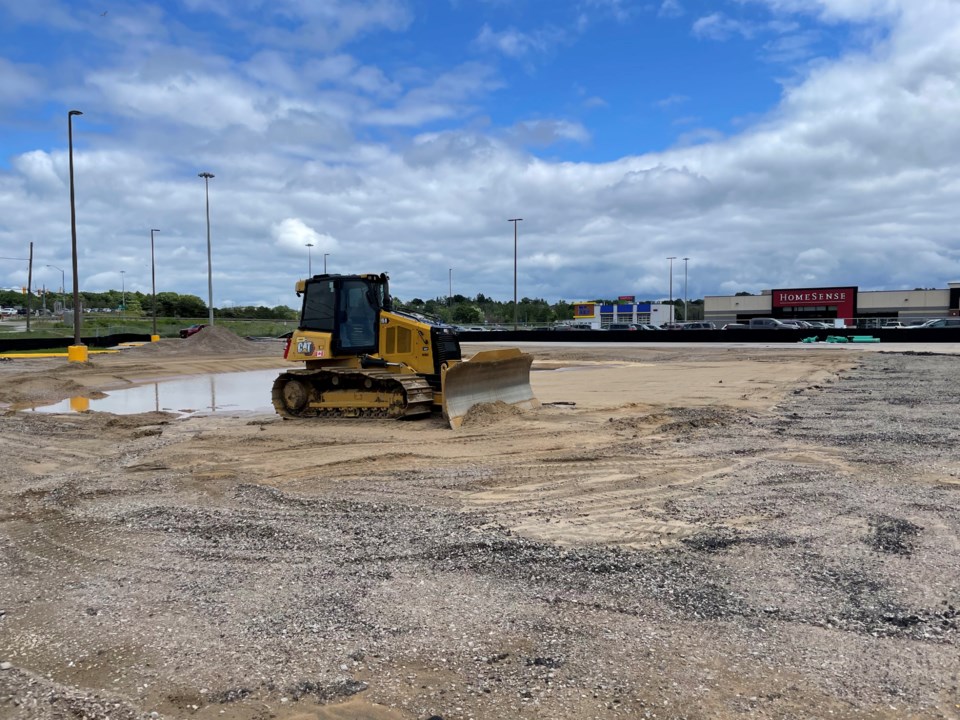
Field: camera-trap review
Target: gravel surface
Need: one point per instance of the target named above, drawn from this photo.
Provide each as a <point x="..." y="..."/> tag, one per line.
<point x="819" y="576"/>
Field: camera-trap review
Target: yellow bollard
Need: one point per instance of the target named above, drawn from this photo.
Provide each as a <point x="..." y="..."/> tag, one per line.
<point x="79" y="404"/>
<point x="154" y="338"/>
<point x="76" y="353"/>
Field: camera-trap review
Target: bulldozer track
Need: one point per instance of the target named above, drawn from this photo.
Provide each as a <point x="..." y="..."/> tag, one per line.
<point x="341" y="393"/>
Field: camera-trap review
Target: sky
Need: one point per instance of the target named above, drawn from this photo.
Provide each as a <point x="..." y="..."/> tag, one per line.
<point x="762" y="143"/>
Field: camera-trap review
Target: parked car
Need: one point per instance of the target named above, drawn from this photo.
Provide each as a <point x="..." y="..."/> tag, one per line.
<point x="797" y="324"/>
<point x="735" y="326"/>
<point x="698" y="326"/>
<point x="951" y="322"/>
<point x="648" y="326"/>
<point x="192" y="330"/>
<point x="671" y="326"/>
<point x="892" y="325"/>
<point x="768" y="324"/>
<point x="573" y="326"/>
<point x="622" y="326"/>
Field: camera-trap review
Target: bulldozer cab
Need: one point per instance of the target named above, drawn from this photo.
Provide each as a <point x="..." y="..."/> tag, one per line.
<point x="347" y="307"/>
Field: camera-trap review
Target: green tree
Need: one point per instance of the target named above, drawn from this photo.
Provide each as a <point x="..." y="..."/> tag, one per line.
<point x="467" y="314"/>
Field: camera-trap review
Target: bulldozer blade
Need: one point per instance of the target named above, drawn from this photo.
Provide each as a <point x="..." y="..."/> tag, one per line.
<point x="489" y="376"/>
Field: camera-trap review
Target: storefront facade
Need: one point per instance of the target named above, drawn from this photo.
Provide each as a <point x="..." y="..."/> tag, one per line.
<point x="600" y="316"/>
<point x="845" y="303"/>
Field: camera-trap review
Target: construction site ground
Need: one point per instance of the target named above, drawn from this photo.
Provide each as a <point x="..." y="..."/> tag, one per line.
<point x="677" y="532"/>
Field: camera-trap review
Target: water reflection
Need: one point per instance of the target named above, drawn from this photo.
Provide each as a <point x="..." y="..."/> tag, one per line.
<point x="196" y="395"/>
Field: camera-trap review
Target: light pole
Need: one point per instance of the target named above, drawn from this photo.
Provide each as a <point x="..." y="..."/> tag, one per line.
<point x="515" y="221"/>
<point x="63" y="281"/>
<point x="153" y="284"/>
<point x="123" y="291"/>
<point x="450" y="289"/>
<point x="325" y="263"/>
<point x="673" y="315"/>
<point x="78" y="353"/>
<point x="206" y="181"/>
<point x="309" y="260"/>
<point x="685" y="296"/>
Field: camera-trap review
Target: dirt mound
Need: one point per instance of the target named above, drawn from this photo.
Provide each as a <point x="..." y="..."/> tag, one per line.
<point x="215" y="340"/>
<point x="489" y="413"/>
<point x="36" y="390"/>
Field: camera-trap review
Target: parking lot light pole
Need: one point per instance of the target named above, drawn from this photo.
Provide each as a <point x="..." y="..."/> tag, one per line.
<point x="153" y="282"/>
<point x="206" y="181"/>
<point x="325" y="263"/>
<point x="78" y="351"/>
<point x="673" y="314"/>
<point x="63" y="282"/>
<point x="515" y="221"/>
<point x="309" y="260"/>
<point x="685" y="295"/>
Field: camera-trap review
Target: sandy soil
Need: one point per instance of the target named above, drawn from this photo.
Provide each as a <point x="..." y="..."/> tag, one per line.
<point x="675" y="533"/>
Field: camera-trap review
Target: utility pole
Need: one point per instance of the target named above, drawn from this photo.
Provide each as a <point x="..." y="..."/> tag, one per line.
<point x="673" y="315"/>
<point x="29" y="283"/>
<point x="80" y="353"/>
<point x="153" y="284"/>
<point x="206" y="181"/>
<point x="515" y="221"/>
<point x="685" y="294"/>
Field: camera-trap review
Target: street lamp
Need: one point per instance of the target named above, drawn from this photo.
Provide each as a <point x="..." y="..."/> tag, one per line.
<point x="673" y="315"/>
<point x="123" y="291"/>
<point x="77" y="353"/>
<point x="450" y="289"/>
<point x="325" y="263"/>
<point x="153" y="281"/>
<point x="309" y="260"/>
<point x="206" y="181"/>
<point x="63" y="281"/>
<point x="685" y="295"/>
<point x="515" y="221"/>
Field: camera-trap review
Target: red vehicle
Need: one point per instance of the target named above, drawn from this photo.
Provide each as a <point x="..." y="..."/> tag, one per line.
<point x="192" y="330"/>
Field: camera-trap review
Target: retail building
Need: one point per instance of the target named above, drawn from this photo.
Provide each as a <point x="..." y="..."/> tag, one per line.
<point x="856" y="308"/>
<point x="625" y="310"/>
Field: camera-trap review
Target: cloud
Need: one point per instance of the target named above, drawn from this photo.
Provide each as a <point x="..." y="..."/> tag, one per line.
<point x="791" y="48"/>
<point x="19" y="83"/>
<point x="671" y="9"/>
<point x="837" y="10"/>
<point x="718" y="26"/>
<point x="548" y="132"/>
<point x="447" y="96"/>
<point x="671" y="101"/>
<point x="293" y="234"/>
<point x="519" y="45"/>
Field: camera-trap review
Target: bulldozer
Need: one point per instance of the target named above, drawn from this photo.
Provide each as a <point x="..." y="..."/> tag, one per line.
<point x="363" y="358"/>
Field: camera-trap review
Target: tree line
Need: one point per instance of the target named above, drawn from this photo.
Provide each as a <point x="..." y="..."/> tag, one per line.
<point x="455" y="310"/>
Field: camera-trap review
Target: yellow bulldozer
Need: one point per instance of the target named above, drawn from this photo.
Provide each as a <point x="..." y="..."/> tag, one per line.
<point x="364" y="359"/>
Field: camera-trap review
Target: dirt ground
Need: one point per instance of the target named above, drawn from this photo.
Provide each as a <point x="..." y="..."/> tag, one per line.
<point x="677" y="532"/>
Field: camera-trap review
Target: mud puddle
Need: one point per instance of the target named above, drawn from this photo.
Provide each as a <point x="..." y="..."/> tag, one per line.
<point x="196" y="395"/>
